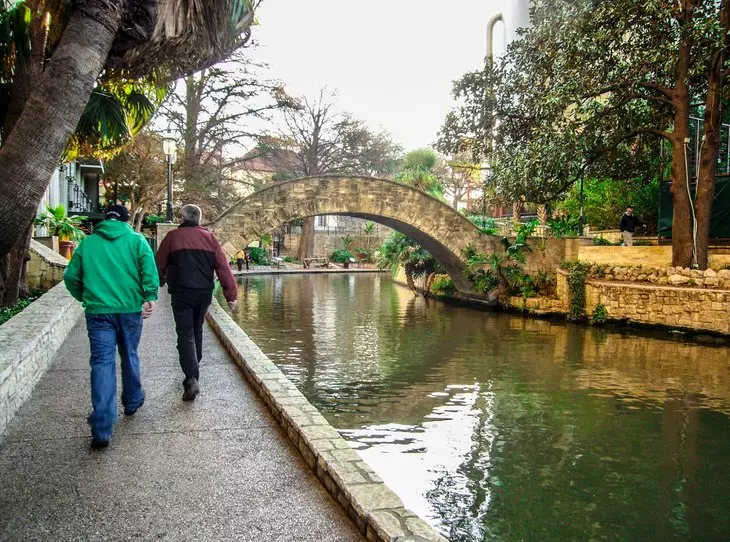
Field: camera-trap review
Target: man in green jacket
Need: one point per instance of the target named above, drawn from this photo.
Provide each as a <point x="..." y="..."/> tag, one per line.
<point x="113" y="274"/>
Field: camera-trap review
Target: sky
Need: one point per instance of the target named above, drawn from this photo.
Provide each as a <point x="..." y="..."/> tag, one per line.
<point x="392" y="62"/>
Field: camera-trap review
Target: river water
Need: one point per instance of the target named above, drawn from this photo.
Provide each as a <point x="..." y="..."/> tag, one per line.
<point x="497" y="427"/>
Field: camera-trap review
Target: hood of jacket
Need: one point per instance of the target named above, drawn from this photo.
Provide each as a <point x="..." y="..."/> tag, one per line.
<point x="113" y="229"/>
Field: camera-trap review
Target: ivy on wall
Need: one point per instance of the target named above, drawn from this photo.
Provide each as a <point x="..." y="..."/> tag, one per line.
<point x="577" y="274"/>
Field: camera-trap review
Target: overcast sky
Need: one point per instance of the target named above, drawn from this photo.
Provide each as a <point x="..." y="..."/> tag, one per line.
<point x="391" y="61"/>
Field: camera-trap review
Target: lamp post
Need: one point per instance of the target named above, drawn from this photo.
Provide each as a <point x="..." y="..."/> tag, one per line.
<point x="170" y="150"/>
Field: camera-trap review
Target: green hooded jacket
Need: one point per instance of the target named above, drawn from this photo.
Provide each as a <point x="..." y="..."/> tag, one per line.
<point x="113" y="270"/>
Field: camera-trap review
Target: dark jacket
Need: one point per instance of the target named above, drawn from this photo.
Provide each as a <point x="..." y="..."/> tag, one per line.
<point x="187" y="258"/>
<point x="629" y="223"/>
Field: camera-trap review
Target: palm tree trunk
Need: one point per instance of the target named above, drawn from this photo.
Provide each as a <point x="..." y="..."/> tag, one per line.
<point x="33" y="149"/>
<point x="13" y="281"/>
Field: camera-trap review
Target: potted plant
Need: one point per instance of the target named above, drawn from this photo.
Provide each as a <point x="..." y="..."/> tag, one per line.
<point x="66" y="228"/>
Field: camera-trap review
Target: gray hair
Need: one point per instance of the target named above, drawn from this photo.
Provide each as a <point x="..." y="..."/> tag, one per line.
<point x="191" y="213"/>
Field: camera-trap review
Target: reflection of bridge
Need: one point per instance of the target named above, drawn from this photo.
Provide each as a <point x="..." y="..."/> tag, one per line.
<point x="433" y="224"/>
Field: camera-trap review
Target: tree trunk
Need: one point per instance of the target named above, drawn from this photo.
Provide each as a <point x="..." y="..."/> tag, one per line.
<point x="682" y="219"/>
<point x="543" y="213"/>
<point x="710" y="144"/>
<point x="306" y="240"/>
<point x="32" y="151"/>
<point x="12" y="271"/>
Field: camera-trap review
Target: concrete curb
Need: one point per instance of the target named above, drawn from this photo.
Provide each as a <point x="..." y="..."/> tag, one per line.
<point x="373" y="507"/>
<point x="28" y="344"/>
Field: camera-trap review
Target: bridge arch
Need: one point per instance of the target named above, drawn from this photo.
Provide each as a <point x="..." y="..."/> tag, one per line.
<point x="434" y="225"/>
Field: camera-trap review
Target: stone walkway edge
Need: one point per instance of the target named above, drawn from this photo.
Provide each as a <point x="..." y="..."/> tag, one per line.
<point x="374" y="508"/>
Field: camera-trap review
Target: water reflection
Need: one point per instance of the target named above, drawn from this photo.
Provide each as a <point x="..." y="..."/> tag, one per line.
<point x="496" y="427"/>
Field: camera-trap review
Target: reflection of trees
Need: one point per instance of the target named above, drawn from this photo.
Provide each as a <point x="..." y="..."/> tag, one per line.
<point x="585" y="433"/>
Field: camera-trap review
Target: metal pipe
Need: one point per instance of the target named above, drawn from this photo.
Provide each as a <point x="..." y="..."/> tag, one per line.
<point x="490" y="38"/>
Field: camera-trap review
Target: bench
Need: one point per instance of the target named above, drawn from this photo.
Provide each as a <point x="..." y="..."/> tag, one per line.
<point x="277" y="261"/>
<point x="313" y="262"/>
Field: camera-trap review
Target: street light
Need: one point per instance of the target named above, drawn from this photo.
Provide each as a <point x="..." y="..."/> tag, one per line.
<point x="169" y="147"/>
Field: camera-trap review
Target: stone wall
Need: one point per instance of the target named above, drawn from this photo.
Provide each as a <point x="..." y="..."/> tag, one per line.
<point x="690" y="308"/>
<point x="28" y="343"/>
<point x="46" y="267"/>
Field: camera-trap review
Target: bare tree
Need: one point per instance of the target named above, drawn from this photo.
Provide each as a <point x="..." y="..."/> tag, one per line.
<point x="218" y="112"/>
<point x="317" y="140"/>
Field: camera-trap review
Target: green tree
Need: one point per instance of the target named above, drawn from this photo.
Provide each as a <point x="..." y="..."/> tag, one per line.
<point x="418" y="170"/>
<point x="86" y="39"/>
<point x="596" y="97"/>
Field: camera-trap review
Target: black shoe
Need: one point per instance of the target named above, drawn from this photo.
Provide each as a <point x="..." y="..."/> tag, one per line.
<point x="132" y="412"/>
<point x="192" y="389"/>
<point x="98" y="444"/>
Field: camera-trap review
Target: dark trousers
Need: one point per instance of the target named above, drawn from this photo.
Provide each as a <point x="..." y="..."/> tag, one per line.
<point x="240" y="264"/>
<point x="189" y="308"/>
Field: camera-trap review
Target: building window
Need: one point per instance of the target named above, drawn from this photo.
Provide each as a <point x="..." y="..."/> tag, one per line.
<point x="322" y="220"/>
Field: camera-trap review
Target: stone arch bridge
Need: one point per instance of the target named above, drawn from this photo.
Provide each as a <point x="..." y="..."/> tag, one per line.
<point x="433" y="224"/>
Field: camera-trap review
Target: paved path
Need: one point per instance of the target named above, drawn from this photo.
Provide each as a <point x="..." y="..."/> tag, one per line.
<point x="215" y="470"/>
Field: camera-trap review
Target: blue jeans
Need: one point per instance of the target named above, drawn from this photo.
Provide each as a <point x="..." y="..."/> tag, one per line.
<point x="106" y="333"/>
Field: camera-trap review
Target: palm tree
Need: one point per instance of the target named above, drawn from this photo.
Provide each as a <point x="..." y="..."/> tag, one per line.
<point x="51" y="69"/>
<point x="160" y="40"/>
<point x="399" y="251"/>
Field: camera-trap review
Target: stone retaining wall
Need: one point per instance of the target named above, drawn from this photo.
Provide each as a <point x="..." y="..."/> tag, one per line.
<point x="46" y="267"/>
<point x="690" y="308"/>
<point x="377" y="512"/>
<point x="28" y="343"/>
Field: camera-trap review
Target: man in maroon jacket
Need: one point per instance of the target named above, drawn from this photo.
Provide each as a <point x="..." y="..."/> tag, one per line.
<point x="186" y="259"/>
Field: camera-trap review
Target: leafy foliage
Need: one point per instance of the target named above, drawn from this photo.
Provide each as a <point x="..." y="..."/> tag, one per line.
<point x="577" y="274"/>
<point x="606" y="200"/>
<point x="563" y="226"/>
<point x="599" y="315"/>
<point x="259" y="256"/>
<point x="444" y="285"/>
<point x="7" y="313"/>
<point x="399" y="250"/>
<point x="341" y="256"/>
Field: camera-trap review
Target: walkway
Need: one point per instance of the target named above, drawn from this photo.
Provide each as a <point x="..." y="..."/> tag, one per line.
<point x="218" y="469"/>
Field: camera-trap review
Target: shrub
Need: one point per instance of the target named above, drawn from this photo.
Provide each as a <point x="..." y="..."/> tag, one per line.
<point x="8" y="312"/>
<point x="601" y="242"/>
<point x="259" y="256"/>
<point x="443" y="285"/>
<point x="577" y="272"/>
<point x="288" y="259"/>
<point x="599" y="315"/>
<point x="366" y="254"/>
<point x="341" y="256"/>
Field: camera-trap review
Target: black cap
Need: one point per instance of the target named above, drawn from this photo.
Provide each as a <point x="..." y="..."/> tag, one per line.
<point x="117" y="212"/>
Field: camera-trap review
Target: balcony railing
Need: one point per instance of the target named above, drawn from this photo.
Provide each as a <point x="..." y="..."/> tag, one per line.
<point x="78" y="201"/>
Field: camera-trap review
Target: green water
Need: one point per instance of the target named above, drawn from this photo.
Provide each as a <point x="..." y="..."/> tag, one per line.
<point x="495" y="427"/>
